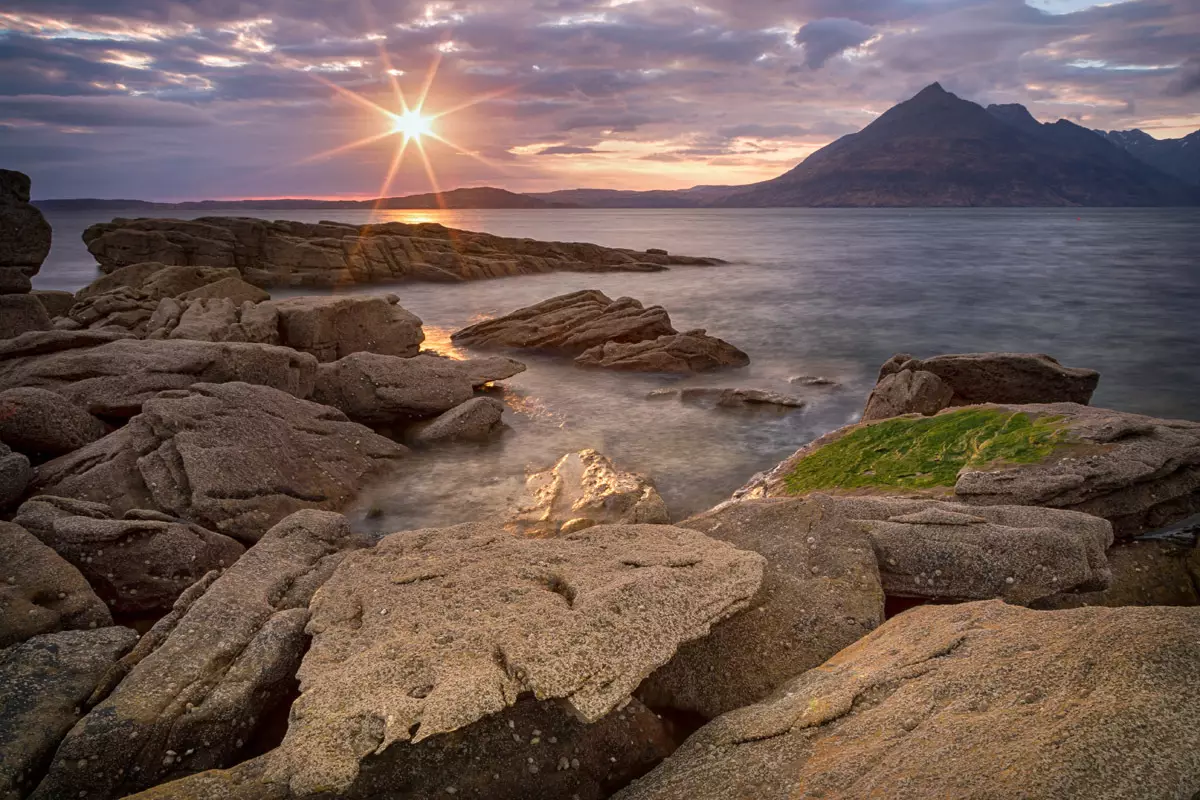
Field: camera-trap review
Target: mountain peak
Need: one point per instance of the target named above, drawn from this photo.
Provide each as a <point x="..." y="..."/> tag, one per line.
<point x="1016" y="115"/>
<point x="932" y="90"/>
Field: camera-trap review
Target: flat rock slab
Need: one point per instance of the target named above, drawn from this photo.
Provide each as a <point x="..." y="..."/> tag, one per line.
<point x="821" y="592"/>
<point x="44" y="683"/>
<point x="233" y="458"/>
<point x="1138" y="472"/>
<point x="976" y="700"/>
<point x="431" y="631"/>
<point x="116" y="378"/>
<point x="208" y="673"/>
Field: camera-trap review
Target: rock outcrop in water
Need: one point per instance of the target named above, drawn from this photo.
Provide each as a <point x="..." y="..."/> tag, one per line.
<point x="336" y="254"/>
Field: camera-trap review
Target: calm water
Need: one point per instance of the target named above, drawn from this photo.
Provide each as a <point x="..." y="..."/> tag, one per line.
<point x="809" y="292"/>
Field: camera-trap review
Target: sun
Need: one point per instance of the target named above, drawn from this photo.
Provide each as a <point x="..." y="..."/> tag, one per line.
<point x="412" y="124"/>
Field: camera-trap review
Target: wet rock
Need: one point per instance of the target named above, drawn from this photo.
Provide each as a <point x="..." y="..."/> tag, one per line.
<point x="43" y="424"/>
<point x="1138" y="472"/>
<point x="585" y="489"/>
<point x="56" y="303"/>
<point x="21" y="313"/>
<point x="378" y="389"/>
<point x="1145" y="572"/>
<point x="156" y="280"/>
<point x="693" y="351"/>
<point x="333" y="327"/>
<point x="116" y="378"/>
<point x="729" y="398"/>
<point x="907" y="392"/>
<point x="138" y="562"/>
<point x="15" y="475"/>
<point x="44" y="682"/>
<point x="40" y="592"/>
<point x="977" y="700"/>
<point x="194" y="701"/>
<point x="476" y="420"/>
<point x="233" y="458"/>
<point x="820" y="593"/>
<point x="812" y="380"/>
<point x="24" y="236"/>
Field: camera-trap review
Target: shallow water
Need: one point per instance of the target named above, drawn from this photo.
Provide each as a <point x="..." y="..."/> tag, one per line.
<point x="809" y="292"/>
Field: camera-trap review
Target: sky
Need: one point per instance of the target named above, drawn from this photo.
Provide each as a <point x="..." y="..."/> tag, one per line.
<point x="162" y="100"/>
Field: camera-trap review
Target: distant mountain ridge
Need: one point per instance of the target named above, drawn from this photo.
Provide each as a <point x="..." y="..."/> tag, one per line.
<point x="1178" y="157"/>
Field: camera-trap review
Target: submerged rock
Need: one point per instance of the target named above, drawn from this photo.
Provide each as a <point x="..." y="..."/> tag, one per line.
<point x="976" y="700"/>
<point x="729" y="398"/>
<point x="476" y="420"/>
<point x="232" y="458"/>
<point x="43" y="424"/>
<point x="693" y="351"/>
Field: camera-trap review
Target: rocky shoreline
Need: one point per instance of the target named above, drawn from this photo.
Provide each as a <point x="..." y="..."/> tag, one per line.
<point x="953" y="597"/>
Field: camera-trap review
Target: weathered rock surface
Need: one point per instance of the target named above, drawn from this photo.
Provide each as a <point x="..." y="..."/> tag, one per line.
<point x="907" y="392"/>
<point x="44" y="683"/>
<point x="693" y="351"/>
<point x="976" y="700"/>
<point x="233" y="289"/>
<point x="378" y="389"/>
<point x="21" y="313"/>
<point x="129" y="298"/>
<point x="115" y="379"/>
<point x="40" y="592"/>
<point x="15" y="475"/>
<point x="584" y="618"/>
<point x="156" y="280"/>
<point x="1138" y="472"/>
<point x="137" y="562"/>
<point x="334" y="327"/>
<point x="234" y="458"/>
<point x="44" y="424"/>
<point x="24" y="235"/>
<point x="1145" y="572"/>
<point x="335" y="254"/>
<point x="482" y="371"/>
<point x="122" y="308"/>
<point x="37" y="343"/>
<point x="585" y="489"/>
<point x="820" y="593"/>
<point x="476" y="420"/>
<point x="217" y="666"/>
<point x="55" y="302"/>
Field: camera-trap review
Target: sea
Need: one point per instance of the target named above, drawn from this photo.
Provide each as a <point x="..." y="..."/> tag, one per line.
<point x="830" y="293"/>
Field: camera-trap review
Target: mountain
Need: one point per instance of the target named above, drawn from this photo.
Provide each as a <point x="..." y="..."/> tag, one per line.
<point x="937" y="149"/>
<point x="1178" y="157"/>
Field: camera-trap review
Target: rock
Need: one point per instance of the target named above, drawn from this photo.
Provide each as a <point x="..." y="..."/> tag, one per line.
<point x="24" y="235"/>
<point x="37" y="343"/>
<point x="156" y="280"/>
<point x="694" y="351"/>
<point x="813" y="380"/>
<point x="203" y="320"/>
<point x="228" y="658"/>
<point x="476" y="420"/>
<point x="44" y="683"/>
<point x="585" y="489"/>
<point x="56" y="303"/>
<point x="976" y="700"/>
<point x="15" y="475"/>
<point x="950" y="551"/>
<point x="729" y="398"/>
<point x="333" y="254"/>
<point x="482" y="371"/>
<point x="378" y="389"/>
<point x="21" y="313"/>
<point x="233" y="289"/>
<point x="122" y="308"/>
<point x="820" y="593"/>
<point x="116" y="378"/>
<point x="233" y="458"/>
<point x="42" y="424"/>
<point x="582" y="618"/>
<point x="569" y="324"/>
<point x="40" y="592"/>
<point x="1145" y="572"/>
<point x="137" y="563"/>
<point x="214" y="320"/>
<point x="908" y="392"/>
<point x="334" y="327"/>
<point x="1138" y="472"/>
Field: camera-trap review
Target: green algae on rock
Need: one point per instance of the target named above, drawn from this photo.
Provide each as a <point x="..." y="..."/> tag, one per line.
<point x="926" y="452"/>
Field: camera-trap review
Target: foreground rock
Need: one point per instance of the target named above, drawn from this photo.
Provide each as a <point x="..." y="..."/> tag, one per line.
<point x="820" y="593"/>
<point x="137" y="563"/>
<point x="382" y="390"/>
<point x="334" y="327"/>
<point x="233" y="458"/>
<point x="40" y="592"/>
<point x="44" y="683"/>
<point x="336" y="254"/>
<point x="115" y="379"/>
<point x="1138" y="472"/>
<point x="201" y="682"/>
<point x="24" y="242"/>
<point x="908" y="385"/>
<point x="1145" y="572"/>
<point x="15" y="475"/>
<point x="585" y="489"/>
<point x="21" y="313"/>
<point x="978" y="700"/>
<point x="43" y="424"/>
<point x="56" y="302"/>
<point x="129" y="298"/>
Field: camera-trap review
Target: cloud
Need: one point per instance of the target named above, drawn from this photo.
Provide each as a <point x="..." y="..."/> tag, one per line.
<point x="825" y="38"/>
<point x="101" y="112"/>
<point x="1188" y="80"/>
<point x="754" y="130"/>
<point x="566" y="150"/>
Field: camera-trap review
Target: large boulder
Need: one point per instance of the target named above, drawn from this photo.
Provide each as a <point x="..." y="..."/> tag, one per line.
<point x="114" y="379"/>
<point x="44" y="684"/>
<point x="138" y="562"/>
<point x="15" y="475"/>
<point x="21" y="313"/>
<point x="978" y="700"/>
<point x="476" y="420"/>
<point x="40" y="592"/>
<point x="684" y="353"/>
<point x="907" y="392"/>
<point x="56" y="302"/>
<point x="332" y="327"/>
<point x="585" y="489"/>
<point x="197" y="689"/>
<point x="1138" y="472"/>
<point x="24" y="236"/>
<point x="44" y="424"/>
<point x="378" y="389"/>
<point x="234" y="458"/>
<point x="333" y="254"/>
<point x="820" y="593"/>
<point x="1145" y="572"/>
